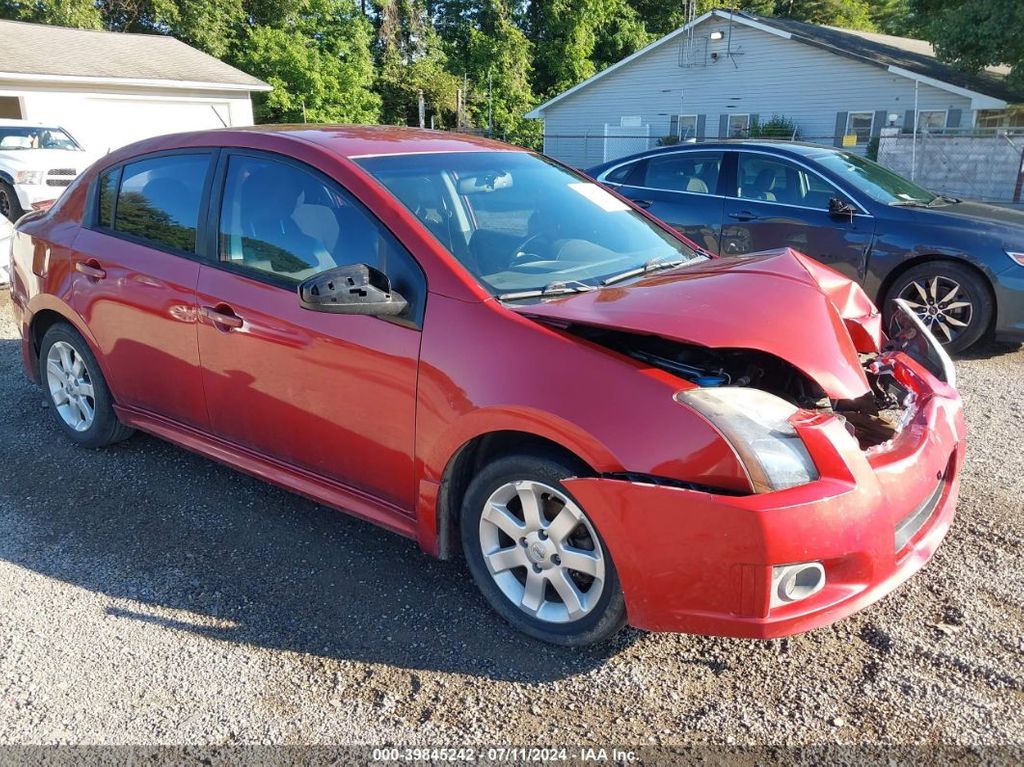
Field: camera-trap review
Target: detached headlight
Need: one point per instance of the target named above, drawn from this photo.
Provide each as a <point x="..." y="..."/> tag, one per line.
<point x="1017" y="256"/>
<point x="30" y="177"/>
<point x="757" y="426"/>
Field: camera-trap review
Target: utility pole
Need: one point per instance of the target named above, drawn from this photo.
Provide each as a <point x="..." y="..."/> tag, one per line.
<point x="458" y="109"/>
<point x="490" y="109"/>
<point x="423" y="110"/>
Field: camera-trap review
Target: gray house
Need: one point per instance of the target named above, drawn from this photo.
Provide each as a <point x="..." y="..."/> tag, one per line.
<point x="726" y="72"/>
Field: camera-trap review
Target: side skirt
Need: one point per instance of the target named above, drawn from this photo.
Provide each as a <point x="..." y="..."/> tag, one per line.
<point x="305" y="483"/>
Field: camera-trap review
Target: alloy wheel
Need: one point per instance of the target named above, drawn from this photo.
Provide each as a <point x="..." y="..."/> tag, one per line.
<point x="70" y="386"/>
<point x="5" y="204"/>
<point x="942" y="305"/>
<point x="542" y="551"/>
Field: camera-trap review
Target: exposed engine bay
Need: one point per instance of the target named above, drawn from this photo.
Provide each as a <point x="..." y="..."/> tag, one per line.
<point x="873" y="419"/>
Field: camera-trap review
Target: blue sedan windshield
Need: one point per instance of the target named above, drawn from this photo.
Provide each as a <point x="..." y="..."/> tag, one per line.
<point x="872" y="179"/>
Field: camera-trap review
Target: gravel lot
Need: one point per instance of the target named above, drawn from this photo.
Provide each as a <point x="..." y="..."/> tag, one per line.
<point x="151" y="596"/>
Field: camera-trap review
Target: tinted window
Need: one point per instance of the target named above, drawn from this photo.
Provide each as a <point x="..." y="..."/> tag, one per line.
<point x="281" y="221"/>
<point x="159" y="200"/>
<point x="772" y="179"/>
<point x="695" y="172"/>
<point x="106" y="192"/>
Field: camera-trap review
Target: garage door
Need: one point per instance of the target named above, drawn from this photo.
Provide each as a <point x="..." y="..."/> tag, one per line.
<point x="107" y="124"/>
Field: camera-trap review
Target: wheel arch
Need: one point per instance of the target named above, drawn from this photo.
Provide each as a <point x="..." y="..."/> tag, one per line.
<point x="904" y="266"/>
<point x="46" y="310"/>
<point x="472" y="456"/>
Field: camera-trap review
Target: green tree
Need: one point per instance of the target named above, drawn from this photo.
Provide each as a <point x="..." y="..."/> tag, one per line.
<point x="411" y="59"/>
<point x="849" y="14"/>
<point x="317" y="56"/>
<point x="499" y="64"/>
<point x="65" y="13"/>
<point x="974" y="34"/>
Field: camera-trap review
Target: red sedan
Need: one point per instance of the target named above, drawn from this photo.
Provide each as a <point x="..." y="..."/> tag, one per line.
<point x="478" y="348"/>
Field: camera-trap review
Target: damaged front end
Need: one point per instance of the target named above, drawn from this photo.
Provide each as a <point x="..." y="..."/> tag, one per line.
<point x="874" y="418"/>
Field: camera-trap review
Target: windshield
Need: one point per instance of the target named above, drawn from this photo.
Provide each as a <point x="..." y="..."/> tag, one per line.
<point x="35" y="137"/>
<point x="521" y="223"/>
<point x="875" y="181"/>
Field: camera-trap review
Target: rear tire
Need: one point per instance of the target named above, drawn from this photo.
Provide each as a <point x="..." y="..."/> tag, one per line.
<point x="10" y="207"/>
<point x="535" y="554"/>
<point x="950" y="298"/>
<point x="76" y="390"/>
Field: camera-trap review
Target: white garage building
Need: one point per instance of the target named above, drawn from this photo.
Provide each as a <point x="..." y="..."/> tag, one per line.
<point x="109" y="88"/>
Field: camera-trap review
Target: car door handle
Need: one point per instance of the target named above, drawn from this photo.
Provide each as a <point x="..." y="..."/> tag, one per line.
<point x="91" y="269"/>
<point x="744" y="215"/>
<point x="222" y="317"/>
<point x="645" y="204"/>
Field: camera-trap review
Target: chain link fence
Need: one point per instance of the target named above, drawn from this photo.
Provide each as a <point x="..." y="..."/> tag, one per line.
<point x="983" y="165"/>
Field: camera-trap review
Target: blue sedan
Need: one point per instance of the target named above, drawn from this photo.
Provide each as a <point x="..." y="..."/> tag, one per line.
<point x="959" y="264"/>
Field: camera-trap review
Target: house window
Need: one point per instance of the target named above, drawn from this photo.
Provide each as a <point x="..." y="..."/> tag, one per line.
<point x="630" y="121"/>
<point x="687" y="127"/>
<point x="859" y="124"/>
<point x="739" y="126"/>
<point x="931" y="120"/>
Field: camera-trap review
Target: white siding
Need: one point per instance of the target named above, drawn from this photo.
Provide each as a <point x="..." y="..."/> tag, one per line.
<point x="105" y="119"/>
<point x="766" y="75"/>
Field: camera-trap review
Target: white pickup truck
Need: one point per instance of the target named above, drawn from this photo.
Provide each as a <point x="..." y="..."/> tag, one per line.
<point x="37" y="162"/>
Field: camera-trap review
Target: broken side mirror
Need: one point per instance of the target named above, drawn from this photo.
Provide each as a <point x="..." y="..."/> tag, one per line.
<point x="352" y="289"/>
<point x="839" y="207"/>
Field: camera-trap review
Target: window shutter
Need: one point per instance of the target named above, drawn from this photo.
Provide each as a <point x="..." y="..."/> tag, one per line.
<point x="953" y="118"/>
<point x="840" y="127"/>
<point x="673" y="126"/>
<point x="702" y="126"/>
<point x="723" y="126"/>
<point x="908" y="121"/>
<point x="752" y="121"/>
<point x="879" y="122"/>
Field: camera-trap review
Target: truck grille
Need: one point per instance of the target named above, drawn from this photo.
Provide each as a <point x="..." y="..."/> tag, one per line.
<point x="60" y="176"/>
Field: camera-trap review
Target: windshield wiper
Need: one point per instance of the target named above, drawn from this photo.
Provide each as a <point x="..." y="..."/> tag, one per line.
<point x="909" y="204"/>
<point x="551" y="289"/>
<point x="653" y="265"/>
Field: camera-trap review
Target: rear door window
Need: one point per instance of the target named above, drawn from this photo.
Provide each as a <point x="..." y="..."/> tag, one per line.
<point x="693" y="172"/>
<point x="159" y="200"/>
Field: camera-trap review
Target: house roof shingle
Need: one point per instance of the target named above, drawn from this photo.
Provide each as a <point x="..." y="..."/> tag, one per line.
<point x="45" y="50"/>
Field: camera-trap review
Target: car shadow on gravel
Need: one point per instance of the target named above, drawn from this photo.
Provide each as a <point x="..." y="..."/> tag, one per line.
<point x="988" y="348"/>
<point x="191" y="545"/>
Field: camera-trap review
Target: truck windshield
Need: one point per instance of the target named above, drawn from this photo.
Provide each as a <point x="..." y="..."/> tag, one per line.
<point x="35" y="137"/>
<point x="524" y="225"/>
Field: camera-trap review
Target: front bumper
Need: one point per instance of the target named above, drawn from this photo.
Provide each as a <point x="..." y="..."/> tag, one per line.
<point x="32" y="196"/>
<point x="1009" y="289"/>
<point x="702" y="563"/>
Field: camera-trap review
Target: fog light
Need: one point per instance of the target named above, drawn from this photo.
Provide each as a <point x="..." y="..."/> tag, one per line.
<point x="791" y="583"/>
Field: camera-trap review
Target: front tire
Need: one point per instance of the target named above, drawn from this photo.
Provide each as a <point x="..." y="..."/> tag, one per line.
<point x="76" y="390"/>
<point x="10" y="207"/>
<point x="951" y="299"/>
<point x="536" y="555"/>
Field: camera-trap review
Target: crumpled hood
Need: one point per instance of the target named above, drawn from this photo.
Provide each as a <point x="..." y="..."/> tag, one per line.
<point x="780" y="302"/>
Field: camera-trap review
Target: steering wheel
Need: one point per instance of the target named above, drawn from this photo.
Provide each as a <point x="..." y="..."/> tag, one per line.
<point x="519" y="253"/>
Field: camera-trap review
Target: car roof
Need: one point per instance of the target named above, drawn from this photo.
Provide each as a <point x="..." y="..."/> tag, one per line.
<point x="793" y="148"/>
<point x="350" y="141"/>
